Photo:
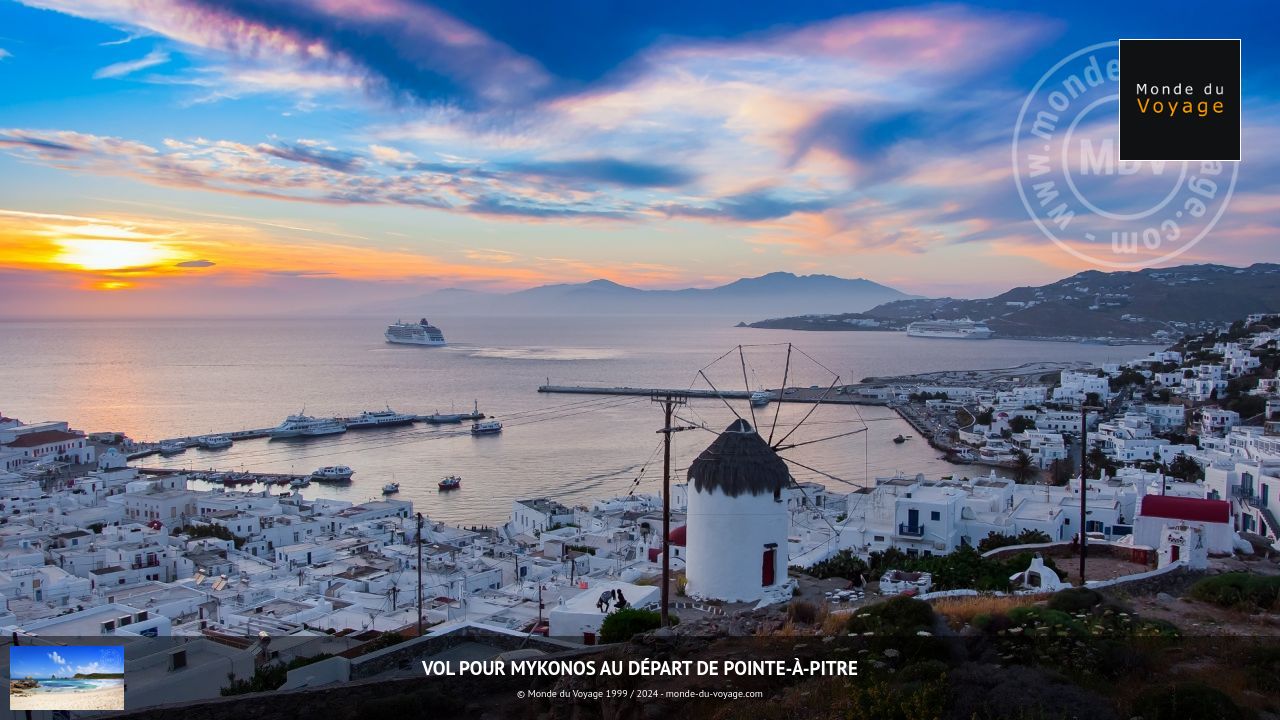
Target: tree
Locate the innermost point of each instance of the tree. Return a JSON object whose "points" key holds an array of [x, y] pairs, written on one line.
{"points": [[985, 417], [1023, 467], [1059, 472], [1022, 423], [1185, 468]]}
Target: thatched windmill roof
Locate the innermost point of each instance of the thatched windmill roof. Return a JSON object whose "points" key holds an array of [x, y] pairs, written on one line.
{"points": [[739, 462]]}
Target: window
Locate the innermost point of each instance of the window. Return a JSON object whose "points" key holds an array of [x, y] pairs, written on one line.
{"points": [[935, 515]]}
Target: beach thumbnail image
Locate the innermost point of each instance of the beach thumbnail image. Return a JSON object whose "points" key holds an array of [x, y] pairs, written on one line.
{"points": [[75, 677]]}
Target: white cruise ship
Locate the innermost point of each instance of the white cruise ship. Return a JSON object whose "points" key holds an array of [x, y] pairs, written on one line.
{"points": [[379, 418], [955, 329], [419, 333]]}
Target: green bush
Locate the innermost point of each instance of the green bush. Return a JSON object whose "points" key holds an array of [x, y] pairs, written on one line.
{"points": [[1239, 590], [898, 616], [843, 564], [622, 625], [1186, 701], [1075, 600], [995, 540]]}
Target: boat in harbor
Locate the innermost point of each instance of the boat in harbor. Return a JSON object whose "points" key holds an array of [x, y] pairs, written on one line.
{"points": [[438, 418], [379, 418], [486, 427], [329, 426], [954, 329], [297, 426], [333, 473], [391, 488], [761, 397], [453, 482], [300, 482], [215, 442], [419, 333], [170, 447]]}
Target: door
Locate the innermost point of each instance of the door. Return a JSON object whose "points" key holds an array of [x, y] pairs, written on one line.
{"points": [[1175, 552], [913, 519], [766, 568]]}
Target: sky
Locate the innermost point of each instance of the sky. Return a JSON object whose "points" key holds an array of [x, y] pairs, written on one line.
{"points": [[225, 157], [64, 661]]}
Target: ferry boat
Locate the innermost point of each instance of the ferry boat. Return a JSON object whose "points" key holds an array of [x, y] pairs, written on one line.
{"points": [[419, 333], [300, 425], [215, 442], [171, 448], [333, 473], [761, 397], [391, 488], [486, 427], [379, 418], [955, 329], [453, 482]]}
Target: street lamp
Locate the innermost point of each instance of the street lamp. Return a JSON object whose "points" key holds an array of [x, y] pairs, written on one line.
{"points": [[1084, 480]]}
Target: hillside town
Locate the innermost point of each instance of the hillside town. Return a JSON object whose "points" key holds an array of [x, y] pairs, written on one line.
{"points": [[1182, 452]]}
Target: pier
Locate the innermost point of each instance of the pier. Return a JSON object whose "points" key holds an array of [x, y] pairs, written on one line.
{"points": [[840, 394]]}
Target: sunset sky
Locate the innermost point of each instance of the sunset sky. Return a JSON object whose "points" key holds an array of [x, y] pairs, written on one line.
{"points": [[240, 156]]}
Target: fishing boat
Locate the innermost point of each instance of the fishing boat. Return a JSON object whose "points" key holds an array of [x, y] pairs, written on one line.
{"points": [[300, 482], [333, 473], [391, 488], [761, 397], [171, 447], [486, 427], [453, 482]]}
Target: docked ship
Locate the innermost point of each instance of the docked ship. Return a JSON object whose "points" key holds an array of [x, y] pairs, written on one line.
{"points": [[333, 473], [379, 418], [298, 426], [419, 333], [760, 398], [954, 329]]}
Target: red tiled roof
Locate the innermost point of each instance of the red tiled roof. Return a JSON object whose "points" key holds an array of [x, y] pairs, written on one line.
{"points": [[42, 437], [1181, 508], [678, 536]]}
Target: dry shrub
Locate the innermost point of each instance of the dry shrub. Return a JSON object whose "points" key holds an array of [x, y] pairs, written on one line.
{"points": [[961, 611]]}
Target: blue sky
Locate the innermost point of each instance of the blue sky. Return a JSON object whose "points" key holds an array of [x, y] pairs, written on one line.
{"points": [[42, 662], [299, 148]]}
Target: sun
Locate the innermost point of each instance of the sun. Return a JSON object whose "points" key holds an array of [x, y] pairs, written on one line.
{"points": [[112, 254]]}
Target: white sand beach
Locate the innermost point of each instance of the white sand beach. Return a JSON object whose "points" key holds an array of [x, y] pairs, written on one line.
{"points": [[108, 698]]}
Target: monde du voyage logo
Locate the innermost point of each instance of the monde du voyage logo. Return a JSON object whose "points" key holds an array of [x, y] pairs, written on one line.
{"points": [[1128, 172]]}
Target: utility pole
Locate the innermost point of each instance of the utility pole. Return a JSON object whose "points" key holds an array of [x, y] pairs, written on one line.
{"points": [[419, 540], [1084, 479], [669, 403]]}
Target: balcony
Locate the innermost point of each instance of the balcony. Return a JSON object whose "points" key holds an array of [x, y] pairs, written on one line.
{"points": [[910, 530]]}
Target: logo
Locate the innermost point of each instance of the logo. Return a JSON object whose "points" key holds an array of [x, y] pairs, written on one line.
{"points": [[1106, 211]]}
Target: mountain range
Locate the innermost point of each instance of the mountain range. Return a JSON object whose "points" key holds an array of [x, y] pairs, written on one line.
{"points": [[778, 292], [1149, 304]]}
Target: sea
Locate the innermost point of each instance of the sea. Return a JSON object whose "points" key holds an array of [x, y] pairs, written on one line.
{"points": [[156, 379]]}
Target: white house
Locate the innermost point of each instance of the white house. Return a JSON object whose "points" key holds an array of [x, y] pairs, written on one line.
{"points": [[579, 618], [1157, 513]]}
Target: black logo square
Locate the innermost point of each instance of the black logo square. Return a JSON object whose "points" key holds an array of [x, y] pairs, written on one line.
{"points": [[1179, 100]]}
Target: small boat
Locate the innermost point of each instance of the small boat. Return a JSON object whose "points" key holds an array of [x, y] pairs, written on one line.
{"points": [[453, 482], [215, 442], [299, 482], [761, 397], [486, 427], [333, 473], [899, 440], [171, 448], [391, 488]]}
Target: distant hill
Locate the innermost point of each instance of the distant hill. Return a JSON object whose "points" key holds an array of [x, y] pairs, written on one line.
{"points": [[1152, 304], [775, 293]]}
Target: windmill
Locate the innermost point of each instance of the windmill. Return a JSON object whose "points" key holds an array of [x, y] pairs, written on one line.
{"points": [[739, 478]]}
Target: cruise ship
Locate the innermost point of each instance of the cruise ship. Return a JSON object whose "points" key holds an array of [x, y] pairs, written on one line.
{"points": [[955, 329], [419, 333]]}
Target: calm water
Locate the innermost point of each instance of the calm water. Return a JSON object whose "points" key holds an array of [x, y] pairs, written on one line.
{"points": [[157, 379]]}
